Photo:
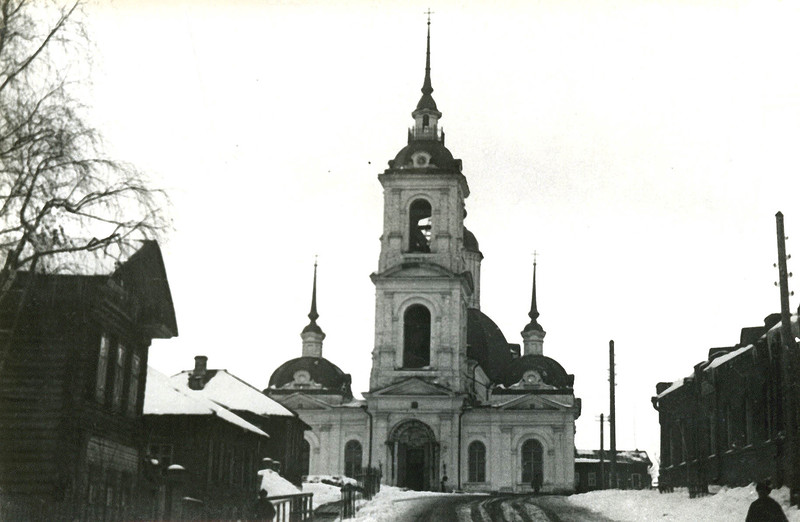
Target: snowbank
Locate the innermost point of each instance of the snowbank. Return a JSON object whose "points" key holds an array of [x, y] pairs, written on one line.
{"points": [[323, 493], [650, 505], [276, 485]]}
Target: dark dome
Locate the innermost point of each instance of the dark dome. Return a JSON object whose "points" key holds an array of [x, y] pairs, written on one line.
{"points": [[440, 156], [487, 345], [551, 372], [470, 242], [322, 371]]}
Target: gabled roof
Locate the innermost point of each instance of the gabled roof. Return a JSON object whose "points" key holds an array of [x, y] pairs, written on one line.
{"points": [[235, 394], [162, 397], [413, 386]]}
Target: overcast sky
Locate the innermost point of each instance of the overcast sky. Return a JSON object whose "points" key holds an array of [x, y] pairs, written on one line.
{"points": [[642, 148]]}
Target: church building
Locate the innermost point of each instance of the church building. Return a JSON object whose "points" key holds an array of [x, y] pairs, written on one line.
{"points": [[450, 402]]}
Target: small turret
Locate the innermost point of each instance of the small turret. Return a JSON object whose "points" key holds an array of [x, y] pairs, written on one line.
{"points": [[312, 334], [533, 333]]}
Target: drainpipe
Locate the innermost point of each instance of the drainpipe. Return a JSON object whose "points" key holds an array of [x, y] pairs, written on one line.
{"points": [[369, 458]]}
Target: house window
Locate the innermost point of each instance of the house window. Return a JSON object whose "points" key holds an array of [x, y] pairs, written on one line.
{"points": [[476, 459], [420, 226], [119, 376], [305, 458], [162, 453], [352, 458], [636, 481], [591, 479], [748, 422], [133, 387], [102, 369], [416, 337], [532, 462]]}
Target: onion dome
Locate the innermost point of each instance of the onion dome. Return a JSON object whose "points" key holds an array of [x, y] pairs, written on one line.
{"points": [[470, 242], [487, 345], [538, 371], [311, 374]]}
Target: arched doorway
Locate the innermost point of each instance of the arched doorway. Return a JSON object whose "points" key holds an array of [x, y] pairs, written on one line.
{"points": [[414, 456]]}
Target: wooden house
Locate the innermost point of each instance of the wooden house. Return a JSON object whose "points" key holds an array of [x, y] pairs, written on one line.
{"points": [[284, 426], [215, 454], [593, 470], [72, 379]]}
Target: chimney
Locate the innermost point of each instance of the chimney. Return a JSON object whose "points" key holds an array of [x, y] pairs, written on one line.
{"points": [[198, 375]]}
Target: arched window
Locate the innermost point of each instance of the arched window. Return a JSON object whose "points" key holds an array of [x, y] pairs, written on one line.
{"points": [[416, 337], [352, 458], [425, 120], [532, 462], [476, 459], [420, 226], [305, 458]]}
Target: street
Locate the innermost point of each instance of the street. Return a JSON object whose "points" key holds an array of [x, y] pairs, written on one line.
{"points": [[496, 508]]}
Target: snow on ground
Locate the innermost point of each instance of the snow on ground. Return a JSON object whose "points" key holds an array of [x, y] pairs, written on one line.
{"points": [[388, 504], [650, 505], [276, 485], [623, 506]]}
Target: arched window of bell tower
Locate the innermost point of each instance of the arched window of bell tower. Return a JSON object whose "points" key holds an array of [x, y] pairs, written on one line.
{"points": [[420, 226], [416, 337], [425, 120]]}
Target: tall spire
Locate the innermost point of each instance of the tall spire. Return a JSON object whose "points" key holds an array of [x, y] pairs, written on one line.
{"points": [[312, 334], [426, 102], [534, 313], [313, 315], [533, 333]]}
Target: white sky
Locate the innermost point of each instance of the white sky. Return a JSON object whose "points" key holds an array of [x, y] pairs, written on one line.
{"points": [[642, 148]]}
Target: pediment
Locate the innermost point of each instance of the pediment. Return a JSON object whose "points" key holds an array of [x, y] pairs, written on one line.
{"points": [[414, 386], [301, 401], [535, 402], [415, 269]]}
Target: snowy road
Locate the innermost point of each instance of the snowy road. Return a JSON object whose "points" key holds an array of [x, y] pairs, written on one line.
{"points": [[506, 508]]}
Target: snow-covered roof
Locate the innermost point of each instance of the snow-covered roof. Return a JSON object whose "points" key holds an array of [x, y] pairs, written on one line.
{"points": [[234, 393], [675, 385], [624, 456], [722, 359], [162, 397]]}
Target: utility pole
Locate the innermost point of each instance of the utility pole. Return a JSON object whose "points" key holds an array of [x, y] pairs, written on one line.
{"points": [[602, 456], [788, 359], [612, 418]]}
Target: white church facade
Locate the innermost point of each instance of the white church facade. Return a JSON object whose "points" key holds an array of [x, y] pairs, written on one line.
{"points": [[450, 400]]}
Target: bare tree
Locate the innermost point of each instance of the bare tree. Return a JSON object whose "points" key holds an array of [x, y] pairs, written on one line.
{"points": [[60, 195]]}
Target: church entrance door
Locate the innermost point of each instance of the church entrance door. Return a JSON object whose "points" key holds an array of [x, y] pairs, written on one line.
{"points": [[415, 456]]}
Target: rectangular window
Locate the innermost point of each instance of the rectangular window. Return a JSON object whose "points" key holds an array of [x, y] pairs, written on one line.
{"points": [[162, 453], [636, 481], [592, 479], [133, 388], [119, 376], [102, 369]]}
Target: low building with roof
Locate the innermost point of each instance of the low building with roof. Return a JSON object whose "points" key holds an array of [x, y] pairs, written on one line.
{"points": [[219, 453], [724, 422], [592, 470], [451, 403], [284, 426]]}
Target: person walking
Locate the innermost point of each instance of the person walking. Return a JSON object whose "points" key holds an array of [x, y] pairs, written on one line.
{"points": [[765, 508]]}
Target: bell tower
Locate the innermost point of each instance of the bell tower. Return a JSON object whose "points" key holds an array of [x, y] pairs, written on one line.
{"points": [[423, 284]]}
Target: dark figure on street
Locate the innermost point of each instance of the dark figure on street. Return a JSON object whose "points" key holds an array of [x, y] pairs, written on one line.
{"points": [[765, 508], [264, 509], [444, 484], [536, 483]]}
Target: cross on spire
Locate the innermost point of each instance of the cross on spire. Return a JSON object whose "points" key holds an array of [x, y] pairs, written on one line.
{"points": [[429, 13]]}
